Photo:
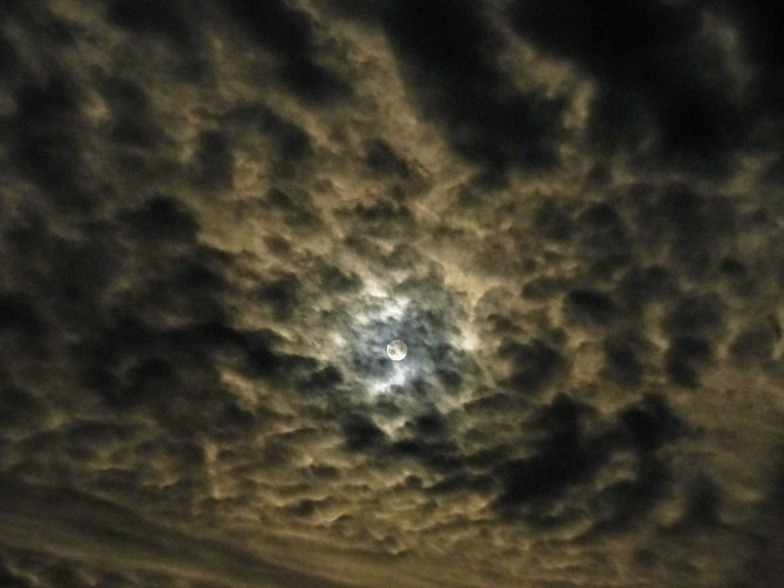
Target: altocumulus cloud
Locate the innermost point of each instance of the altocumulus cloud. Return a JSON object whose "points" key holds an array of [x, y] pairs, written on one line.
{"points": [[216, 215]]}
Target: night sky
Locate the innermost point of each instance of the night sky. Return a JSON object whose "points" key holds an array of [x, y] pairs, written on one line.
{"points": [[215, 215]]}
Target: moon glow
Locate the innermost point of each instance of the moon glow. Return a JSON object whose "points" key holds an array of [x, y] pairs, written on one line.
{"points": [[397, 350]]}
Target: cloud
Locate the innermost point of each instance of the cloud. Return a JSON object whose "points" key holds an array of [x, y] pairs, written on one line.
{"points": [[632, 53], [108, 529], [289, 35], [218, 215], [451, 66], [534, 364], [46, 139], [164, 18]]}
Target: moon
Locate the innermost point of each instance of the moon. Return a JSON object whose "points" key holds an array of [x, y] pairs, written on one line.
{"points": [[397, 350]]}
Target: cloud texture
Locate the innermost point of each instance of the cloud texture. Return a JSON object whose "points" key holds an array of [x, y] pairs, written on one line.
{"points": [[216, 215]]}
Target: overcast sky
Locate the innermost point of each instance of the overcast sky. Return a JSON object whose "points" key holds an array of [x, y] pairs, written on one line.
{"points": [[214, 216]]}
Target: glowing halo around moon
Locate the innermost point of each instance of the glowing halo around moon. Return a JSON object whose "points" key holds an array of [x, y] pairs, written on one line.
{"points": [[397, 350]]}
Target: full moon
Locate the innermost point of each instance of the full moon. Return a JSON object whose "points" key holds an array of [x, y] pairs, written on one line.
{"points": [[396, 350]]}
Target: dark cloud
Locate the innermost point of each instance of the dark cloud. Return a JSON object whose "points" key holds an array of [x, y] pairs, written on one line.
{"points": [[642, 285], [384, 218], [533, 364], [134, 119], [552, 222], [621, 503], [450, 52], [704, 503], [567, 455], [492, 403], [438, 454], [462, 482], [538, 288], [281, 295], [324, 379], [289, 35], [560, 459], [154, 348], [695, 317], [362, 433], [684, 356], [336, 280], [382, 159], [650, 423], [652, 69], [21, 411], [761, 566], [624, 357], [12, 580], [217, 215], [296, 210], [161, 218], [757, 25], [590, 304], [213, 161], [290, 140], [167, 18], [602, 230], [46, 143], [754, 342], [17, 314]]}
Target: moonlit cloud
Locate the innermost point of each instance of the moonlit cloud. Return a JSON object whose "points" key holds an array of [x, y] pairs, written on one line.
{"points": [[217, 215]]}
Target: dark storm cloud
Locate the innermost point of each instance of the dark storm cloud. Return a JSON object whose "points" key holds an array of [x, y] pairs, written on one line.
{"points": [[166, 367], [604, 235], [690, 326], [439, 453]]}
